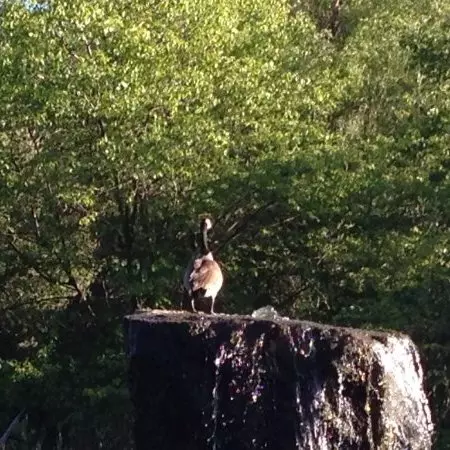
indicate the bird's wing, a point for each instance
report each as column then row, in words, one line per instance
column 194, row 270
column 208, row 274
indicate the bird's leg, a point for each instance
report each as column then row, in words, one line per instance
column 193, row 305
column 212, row 307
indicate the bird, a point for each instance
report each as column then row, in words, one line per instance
column 203, row 277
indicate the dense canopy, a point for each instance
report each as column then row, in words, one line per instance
column 315, row 133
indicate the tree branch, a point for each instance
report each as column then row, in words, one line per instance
column 240, row 226
column 335, row 23
column 34, row 139
column 37, row 230
column 28, row 261
column 9, row 430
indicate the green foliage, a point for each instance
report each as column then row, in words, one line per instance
column 317, row 136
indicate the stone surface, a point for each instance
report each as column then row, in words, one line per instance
column 236, row 382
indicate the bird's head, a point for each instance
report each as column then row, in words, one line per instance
column 205, row 224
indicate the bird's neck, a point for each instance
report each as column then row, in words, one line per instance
column 204, row 247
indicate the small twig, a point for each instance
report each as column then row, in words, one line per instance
column 88, row 47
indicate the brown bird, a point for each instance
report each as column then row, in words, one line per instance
column 203, row 277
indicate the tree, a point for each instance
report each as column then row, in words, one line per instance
column 315, row 135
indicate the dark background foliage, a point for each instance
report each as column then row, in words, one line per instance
column 315, row 133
